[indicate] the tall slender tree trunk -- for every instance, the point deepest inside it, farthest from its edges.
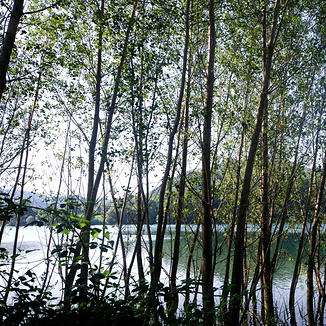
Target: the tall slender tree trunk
(268, 309)
(94, 182)
(22, 165)
(237, 272)
(302, 241)
(313, 238)
(322, 301)
(140, 155)
(141, 274)
(312, 250)
(181, 194)
(91, 155)
(160, 228)
(119, 239)
(9, 41)
(190, 259)
(206, 217)
(143, 196)
(297, 266)
(225, 291)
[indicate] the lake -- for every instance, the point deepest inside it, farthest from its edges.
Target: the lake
(32, 251)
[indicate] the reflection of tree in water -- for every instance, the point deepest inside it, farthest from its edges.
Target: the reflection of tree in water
(285, 265)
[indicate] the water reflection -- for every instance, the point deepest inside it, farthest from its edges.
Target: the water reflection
(32, 244)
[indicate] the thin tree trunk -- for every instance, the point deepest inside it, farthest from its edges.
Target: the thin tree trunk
(237, 272)
(231, 222)
(143, 197)
(313, 240)
(169, 190)
(268, 309)
(103, 223)
(226, 289)
(91, 155)
(297, 267)
(48, 247)
(140, 155)
(190, 259)
(8, 42)
(181, 195)
(206, 217)
(160, 229)
(25, 149)
(284, 211)
(323, 299)
(253, 286)
(119, 223)
(93, 188)
(141, 275)
(321, 285)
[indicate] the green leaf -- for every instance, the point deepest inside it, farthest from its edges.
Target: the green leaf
(95, 232)
(107, 235)
(63, 254)
(32, 250)
(83, 223)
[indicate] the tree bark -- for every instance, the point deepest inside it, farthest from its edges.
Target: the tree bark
(9, 41)
(237, 272)
(91, 155)
(268, 309)
(313, 239)
(206, 217)
(312, 251)
(140, 162)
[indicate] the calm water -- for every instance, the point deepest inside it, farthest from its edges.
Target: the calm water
(32, 250)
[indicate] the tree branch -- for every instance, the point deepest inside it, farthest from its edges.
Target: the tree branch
(39, 10)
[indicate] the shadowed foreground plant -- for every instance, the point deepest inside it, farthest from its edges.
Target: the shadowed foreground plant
(145, 302)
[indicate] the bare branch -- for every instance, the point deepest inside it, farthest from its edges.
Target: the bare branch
(39, 10)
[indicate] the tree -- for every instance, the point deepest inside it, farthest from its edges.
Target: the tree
(268, 51)
(94, 181)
